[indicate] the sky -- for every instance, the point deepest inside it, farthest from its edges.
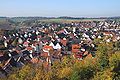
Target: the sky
(56, 8)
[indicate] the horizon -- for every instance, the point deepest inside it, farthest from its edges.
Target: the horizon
(53, 8)
(59, 16)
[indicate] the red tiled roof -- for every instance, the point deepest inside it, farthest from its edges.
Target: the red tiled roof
(85, 53)
(48, 47)
(75, 48)
(34, 60)
(63, 42)
(44, 54)
(25, 43)
(61, 31)
(29, 48)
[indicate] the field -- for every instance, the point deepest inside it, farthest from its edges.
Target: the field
(69, 20)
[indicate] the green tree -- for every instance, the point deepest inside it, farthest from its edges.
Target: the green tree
(114, 62)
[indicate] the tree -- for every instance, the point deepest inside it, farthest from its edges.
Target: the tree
(102, 56)
(117, 45)
(103, 75)
(25, 73)
(114, 62)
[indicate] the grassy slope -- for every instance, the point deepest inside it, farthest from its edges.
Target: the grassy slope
(70, 20)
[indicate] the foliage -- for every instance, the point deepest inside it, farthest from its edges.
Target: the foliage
(117, 45)
(114, 62)
(105, 66)
(103, 75)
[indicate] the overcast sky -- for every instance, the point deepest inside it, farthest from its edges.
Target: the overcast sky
(55, 8)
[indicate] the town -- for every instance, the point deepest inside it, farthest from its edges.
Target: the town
(44, 42)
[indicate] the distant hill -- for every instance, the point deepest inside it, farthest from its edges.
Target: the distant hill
(16, 20)
(62, 17)
(5, 24)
